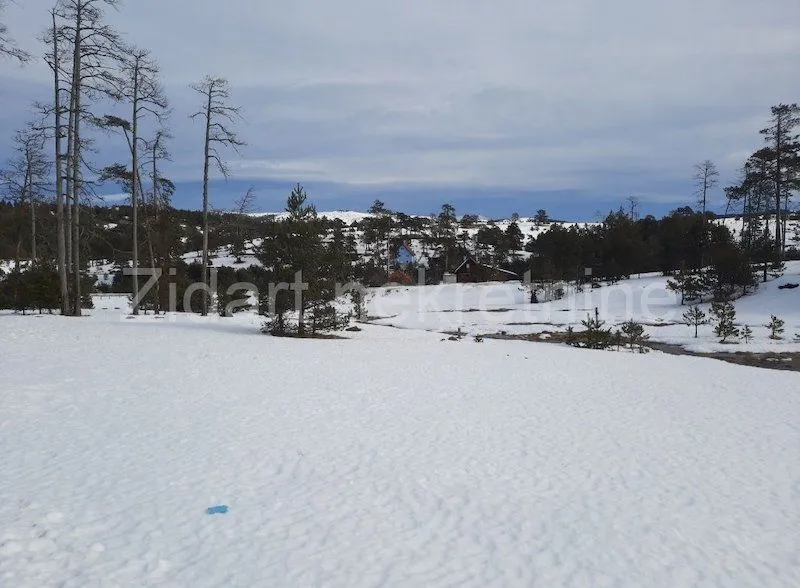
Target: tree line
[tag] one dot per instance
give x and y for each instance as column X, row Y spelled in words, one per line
column 94, row 72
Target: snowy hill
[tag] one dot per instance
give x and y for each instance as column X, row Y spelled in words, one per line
column 348, row 217
column 529, row 227
column 494, row 307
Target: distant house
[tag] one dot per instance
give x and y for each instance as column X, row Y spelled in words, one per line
column 473, row 271
column 404, row 257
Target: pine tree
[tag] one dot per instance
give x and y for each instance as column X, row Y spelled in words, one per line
column 694, row 317
column 747, row 334
column 295, row 251
column 724, row 315
column 686, row 283
column 783, row 154
column 634, row 333
column 595, row 336
column 571, row 337
column 775, row 326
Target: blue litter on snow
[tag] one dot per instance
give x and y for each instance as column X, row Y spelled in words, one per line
column 219, row 509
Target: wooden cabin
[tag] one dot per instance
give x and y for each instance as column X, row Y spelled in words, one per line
column 471, row 271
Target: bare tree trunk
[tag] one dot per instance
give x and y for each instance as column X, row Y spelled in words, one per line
column 156, row 261
column 76, row 165
column 68, row 220
column 745, row 219
column 778, row 181
column 60, row 234
column 204, row 308
column 151, row 251
column 33, row 230
column 135, row 185
column 215, row 93
column 26, row 196
column 784, row 222
column 70, row 180
column 153, row 265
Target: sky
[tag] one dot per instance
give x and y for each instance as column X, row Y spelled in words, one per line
column 497, row 107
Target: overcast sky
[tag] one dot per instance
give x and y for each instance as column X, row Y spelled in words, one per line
column 501, row 106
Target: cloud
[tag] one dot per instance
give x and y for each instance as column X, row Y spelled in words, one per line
column 606, row 98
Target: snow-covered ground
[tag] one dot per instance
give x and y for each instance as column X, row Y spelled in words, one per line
column 391, row 459
column 495, row 307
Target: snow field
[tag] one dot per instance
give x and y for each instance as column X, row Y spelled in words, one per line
column 393, row 459
column 493, row 307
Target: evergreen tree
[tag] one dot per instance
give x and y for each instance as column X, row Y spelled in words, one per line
column 782, row 152
column 446, row 225
column 724, row 315
column 687, row 284
column 775, row 326
column 694, row 317
column 595, row 336
column 634, row 334
column 513, row 237
column 747, row 334
column 295, row 251
column 571, row 338
column 618, row 339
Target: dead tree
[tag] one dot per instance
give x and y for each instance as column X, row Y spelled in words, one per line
column 8, row 48
column 89, row 73
column 243, row 207
column 217, row 114
column 25, row 180
column 140, row 87
column 54, row 60
column 705, row 178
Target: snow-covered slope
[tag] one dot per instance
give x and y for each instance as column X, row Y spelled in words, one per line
column 394, row 459
column 494, row 307
column 348, row 217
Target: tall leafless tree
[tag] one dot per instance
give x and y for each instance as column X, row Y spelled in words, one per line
column 242, row 207
column 54, row 60
column 706, row 177
column 217, row 115
column 88, row 71
column 141, row 88
column 8, row 47
column 633, row 207
column 161, row 192
column 25, row 181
